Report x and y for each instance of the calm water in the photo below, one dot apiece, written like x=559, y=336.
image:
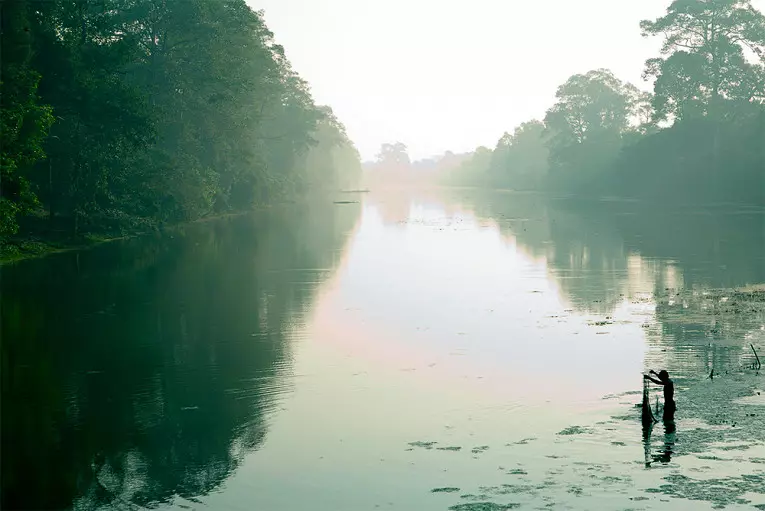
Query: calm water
x=415, y=351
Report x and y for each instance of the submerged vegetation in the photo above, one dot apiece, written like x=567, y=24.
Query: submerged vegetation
x=122, y=115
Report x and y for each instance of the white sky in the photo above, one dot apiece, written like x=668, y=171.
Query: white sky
x=453, y=74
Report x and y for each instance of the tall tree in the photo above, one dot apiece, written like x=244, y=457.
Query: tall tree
x=101, y=119
x=165, y=111
x=394, y=156
x=24, y=121
x=586, y=124
x=233, y=116
x=332, y=161
x=520, y=159
x=713, y=50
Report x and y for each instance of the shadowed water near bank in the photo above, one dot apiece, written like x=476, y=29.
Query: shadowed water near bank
x=145, y=370
x=444, y=350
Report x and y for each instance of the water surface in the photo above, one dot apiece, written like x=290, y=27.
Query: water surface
x=444, y=350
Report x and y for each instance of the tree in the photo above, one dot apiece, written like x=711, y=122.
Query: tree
x=165, y=111
x=520, y=159
x=705, y=57
x=394, y=156
x=332, y=161
x=24, y=121
x=473, y=170
x=101, y=119
x=586, y=124
x=234, y=117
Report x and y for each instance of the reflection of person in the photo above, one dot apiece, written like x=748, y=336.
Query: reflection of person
x=669, y=392
x=664, y=456
x=647, y=430
x=669, y=443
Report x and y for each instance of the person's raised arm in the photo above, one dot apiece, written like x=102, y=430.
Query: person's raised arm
x=657, y=382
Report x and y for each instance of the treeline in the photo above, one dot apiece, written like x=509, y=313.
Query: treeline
x=700, y=135
x=126, y=114
x=393, y=167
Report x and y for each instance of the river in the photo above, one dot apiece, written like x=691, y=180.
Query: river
x=439, y=350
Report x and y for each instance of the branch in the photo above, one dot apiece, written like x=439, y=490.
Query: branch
x=278, y=137
x=686, y=46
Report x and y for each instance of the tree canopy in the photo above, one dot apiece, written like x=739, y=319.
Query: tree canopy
x=393, y=156
x=122, y=114
x=713, y=50
x=704, y=122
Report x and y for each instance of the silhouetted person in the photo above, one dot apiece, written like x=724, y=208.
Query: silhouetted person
x=669, y=393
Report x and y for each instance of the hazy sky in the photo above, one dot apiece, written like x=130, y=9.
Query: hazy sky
x=453, y=74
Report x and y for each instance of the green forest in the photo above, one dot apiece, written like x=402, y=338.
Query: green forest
x=698, y=136
x=122, y=116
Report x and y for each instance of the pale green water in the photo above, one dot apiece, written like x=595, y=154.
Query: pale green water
x=415, y=351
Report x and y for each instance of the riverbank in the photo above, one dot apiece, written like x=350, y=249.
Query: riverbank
x=40, y=243
x=33, y=247
x=39, y=240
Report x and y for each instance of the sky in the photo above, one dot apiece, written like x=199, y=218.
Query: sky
x=443, y=75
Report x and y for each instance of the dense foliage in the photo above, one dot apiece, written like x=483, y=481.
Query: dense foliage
x=124, y=114
x=699, y=136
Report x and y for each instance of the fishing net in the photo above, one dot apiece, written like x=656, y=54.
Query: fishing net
x=648, y=417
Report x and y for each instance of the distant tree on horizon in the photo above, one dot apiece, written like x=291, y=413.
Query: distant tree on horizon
x=393, y=156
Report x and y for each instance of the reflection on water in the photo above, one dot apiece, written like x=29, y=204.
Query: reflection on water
x=147, y=369
x=419, y=351
x=663, y=454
